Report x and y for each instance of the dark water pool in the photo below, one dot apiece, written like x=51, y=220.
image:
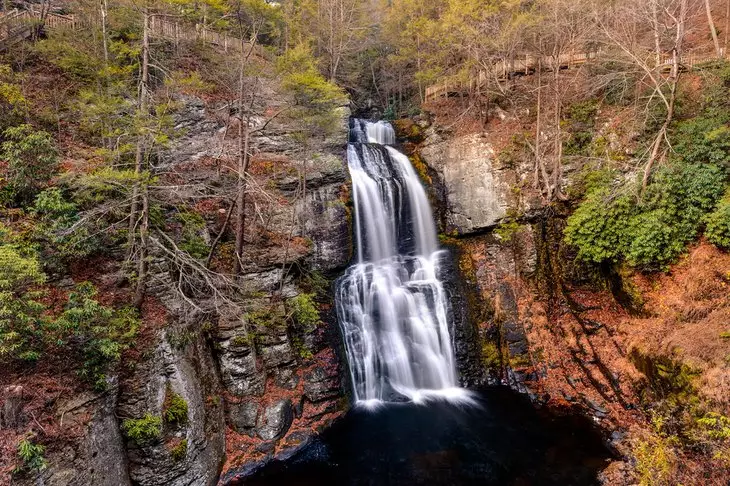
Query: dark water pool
x=502, y=441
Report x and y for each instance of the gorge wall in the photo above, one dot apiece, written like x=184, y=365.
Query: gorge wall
x=598, y=342
x=254, y=380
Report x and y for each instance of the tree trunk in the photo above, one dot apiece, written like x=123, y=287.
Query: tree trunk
x=105, y=42
x=539, y=163
x=103, y=81
x=713, y=31
x=674, y=81
x=142, y=263
x=557, y=174
x=655, y=28
x=241, y=187
x=140, y=188
x=727, y=22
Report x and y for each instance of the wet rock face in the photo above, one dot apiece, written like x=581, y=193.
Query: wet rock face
x=465, y=327
x=328, y=227
x=321, y=384
x=242, y=416
x=179, y=362
x=477, y=186
x=275, y=420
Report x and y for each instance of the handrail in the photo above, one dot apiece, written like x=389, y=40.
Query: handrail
x=504, y=68
x=177, y=31
x=159, y=28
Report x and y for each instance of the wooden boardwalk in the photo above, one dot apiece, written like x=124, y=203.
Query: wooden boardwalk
x=18, y=25
x=506, y=69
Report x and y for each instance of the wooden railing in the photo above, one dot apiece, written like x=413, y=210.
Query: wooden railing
x=694, y=58
x=505, y=68
x=18, y=24
x=527, y=65
x=177, y=31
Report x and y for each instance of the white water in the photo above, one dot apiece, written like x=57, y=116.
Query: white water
x=391, y=304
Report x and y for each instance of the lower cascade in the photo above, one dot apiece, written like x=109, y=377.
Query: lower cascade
x=391, y=304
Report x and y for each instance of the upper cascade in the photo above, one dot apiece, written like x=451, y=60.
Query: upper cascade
x=391, y=304
x=362, y=131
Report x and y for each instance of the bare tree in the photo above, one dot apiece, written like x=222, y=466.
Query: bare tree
x=141, y=189
x=713, y=31
x=664, y=23
x=249, y=26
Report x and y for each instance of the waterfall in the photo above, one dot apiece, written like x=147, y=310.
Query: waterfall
x=391, y=305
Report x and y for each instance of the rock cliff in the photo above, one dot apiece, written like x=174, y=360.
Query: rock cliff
x=254, y=381
x=584, y=340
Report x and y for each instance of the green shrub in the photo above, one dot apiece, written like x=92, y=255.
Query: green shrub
x=302, y=349
x=655, y=460
x=491, y=355
x=32, y=456
x=57, y=228
x=580, y=125
x=315, y=99
x=192, y=225
x=80, y=65
x=508, y=230
x=304, y=310
x=612, y=225
x=175, y=408
x=31, y=159
x=12, y=101
x=597, y=227
x=104, y=333
x=144, y=430
x=718, y=225
x=714, y=426
x=703, y=140
x=21, y=312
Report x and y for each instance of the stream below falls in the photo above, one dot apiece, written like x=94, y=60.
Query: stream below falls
x=500, y=440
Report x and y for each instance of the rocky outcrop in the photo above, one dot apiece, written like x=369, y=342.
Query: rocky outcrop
x=477, y=186
x=179, y=363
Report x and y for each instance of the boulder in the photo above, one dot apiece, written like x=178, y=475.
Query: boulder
x=243, y=416
x=275, y=420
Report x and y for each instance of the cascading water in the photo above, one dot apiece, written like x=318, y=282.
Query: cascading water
x=391, y=304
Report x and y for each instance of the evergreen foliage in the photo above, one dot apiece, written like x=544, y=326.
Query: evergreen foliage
x=304, y=310
x=32, y=456
x=718, y=224
x=98, y=333
x=615, y=222
x=143, y=431
x=315, y=98
x=31, y=160
x=21, y=311
x=175, y=408
x=612, y=225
